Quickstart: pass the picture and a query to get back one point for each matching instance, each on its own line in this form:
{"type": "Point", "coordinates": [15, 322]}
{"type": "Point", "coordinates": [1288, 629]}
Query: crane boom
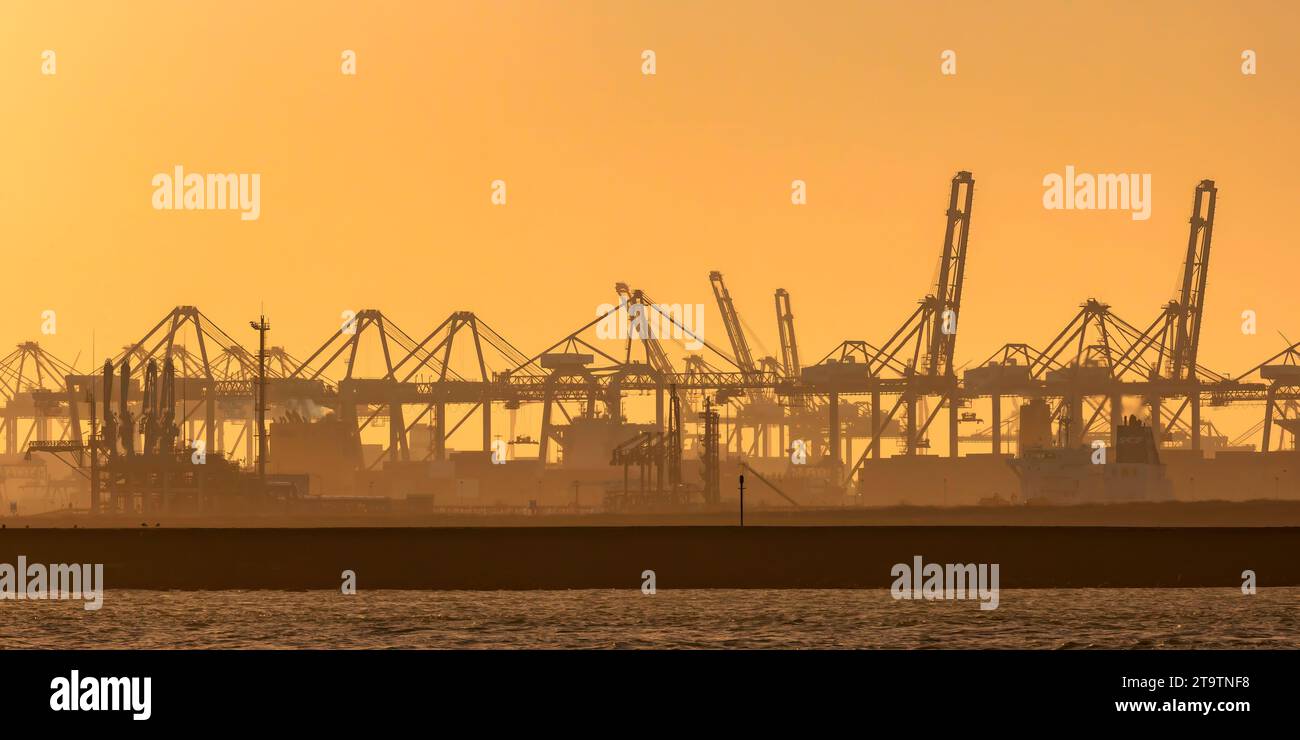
{"type": "Point", "coordinates": [785, 326]}
{"type": "Point", "coordinates": [1191, 298]}
{"type": "Point", "coordinates": [952, 269]}
{"type": "Point", "coordinates": [656, 357]}
{"type": "Point", "coordinates": [731, 321]}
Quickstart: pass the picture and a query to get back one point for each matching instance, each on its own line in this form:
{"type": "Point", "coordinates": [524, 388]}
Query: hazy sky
{"type": "Point", "coordinates": [375, 188]}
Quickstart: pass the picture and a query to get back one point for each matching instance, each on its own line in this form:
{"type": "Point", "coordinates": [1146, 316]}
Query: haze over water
{"type": "Point", "coordinates": [811, 619]}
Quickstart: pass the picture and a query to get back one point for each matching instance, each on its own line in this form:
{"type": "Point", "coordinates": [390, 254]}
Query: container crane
{"type": "Point", "coordinates": [761, 410]}
{"type": "Point", "coordinates": [1183, 317]}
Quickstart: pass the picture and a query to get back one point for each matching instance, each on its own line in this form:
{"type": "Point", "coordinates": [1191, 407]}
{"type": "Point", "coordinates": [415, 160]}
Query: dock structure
{"type": "Point", "coordinates": [187, 386]}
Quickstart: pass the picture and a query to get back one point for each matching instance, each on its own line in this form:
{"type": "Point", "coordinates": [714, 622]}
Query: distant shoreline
{"type": "Point", "coordinates": [523, 558]}
{"type": "Point", "coordinates": [1210, 513]}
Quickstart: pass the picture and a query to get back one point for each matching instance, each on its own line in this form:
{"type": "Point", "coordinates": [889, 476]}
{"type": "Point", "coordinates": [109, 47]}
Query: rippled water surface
{"type": "Point", "coordinates": [1050, 619]}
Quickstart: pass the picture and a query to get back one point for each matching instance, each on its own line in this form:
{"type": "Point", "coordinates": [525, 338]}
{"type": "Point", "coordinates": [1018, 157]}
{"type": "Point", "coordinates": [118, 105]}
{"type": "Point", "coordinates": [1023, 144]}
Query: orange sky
{"type": "Point", "coordinates": [375, 188]}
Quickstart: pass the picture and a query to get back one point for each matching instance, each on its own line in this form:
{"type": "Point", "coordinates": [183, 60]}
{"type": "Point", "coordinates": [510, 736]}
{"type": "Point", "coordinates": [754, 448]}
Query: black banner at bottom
{"type": "Point", "coordinates": [555, 688]}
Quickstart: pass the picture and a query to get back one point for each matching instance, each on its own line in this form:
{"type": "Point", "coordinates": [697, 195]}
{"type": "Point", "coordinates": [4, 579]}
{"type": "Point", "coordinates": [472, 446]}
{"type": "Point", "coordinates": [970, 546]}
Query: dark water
{"type": "Point", "coordinates": [1049, 619]}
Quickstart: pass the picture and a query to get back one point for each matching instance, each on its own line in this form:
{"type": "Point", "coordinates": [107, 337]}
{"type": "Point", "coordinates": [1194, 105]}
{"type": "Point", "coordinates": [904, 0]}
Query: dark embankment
{"type": "Point", "coordinates": [682, 557]}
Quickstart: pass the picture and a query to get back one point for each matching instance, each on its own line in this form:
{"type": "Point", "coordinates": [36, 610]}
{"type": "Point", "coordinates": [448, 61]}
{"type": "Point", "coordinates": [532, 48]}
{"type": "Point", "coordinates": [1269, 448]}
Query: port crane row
{"type": "Point", "coordinates": [859, 391]}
